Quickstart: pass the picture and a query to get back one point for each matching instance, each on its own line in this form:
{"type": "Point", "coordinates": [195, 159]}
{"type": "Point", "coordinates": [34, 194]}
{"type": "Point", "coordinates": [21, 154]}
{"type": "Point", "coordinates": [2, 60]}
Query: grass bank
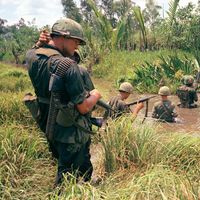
{"type": "Point", "coordinates": [134, 160]}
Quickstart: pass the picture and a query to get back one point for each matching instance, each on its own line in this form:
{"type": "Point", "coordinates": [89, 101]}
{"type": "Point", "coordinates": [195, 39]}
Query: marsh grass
{"type": "Point", "coordinates": [136, 161]}
{"type": "Point", "coordinates": [122, 63]}
{"type": "Point", "coordinates": [12, 109]}
{"type": "Point", "coordinates": [127, 144]}
{"type": "Point", "coordinates": [156, 183]}
{"type": "Point", "coordinates": [23, 155]}
{"type": "Point", "coordinates": [13, 79]}
{"type": "Point", "coordinates": [145, 69]}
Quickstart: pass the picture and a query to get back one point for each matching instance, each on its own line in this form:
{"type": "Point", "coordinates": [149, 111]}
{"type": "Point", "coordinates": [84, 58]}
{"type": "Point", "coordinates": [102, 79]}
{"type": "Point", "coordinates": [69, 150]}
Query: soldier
{"type": "Point", "coordinates": [164, 110]}
{"type": "Point", "coordinates": [197, 80]}
{"type": "Point", "coordinates": [71, 139]}
{"type": "Point", "coordinates": [118, 102]}
{"type": "Point", "coordinates": [187, 93]}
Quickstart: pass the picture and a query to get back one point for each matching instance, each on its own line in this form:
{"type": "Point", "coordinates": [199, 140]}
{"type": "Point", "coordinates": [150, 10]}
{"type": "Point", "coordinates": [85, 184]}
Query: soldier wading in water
{"type": "Point", "coordinates": [164, 110]}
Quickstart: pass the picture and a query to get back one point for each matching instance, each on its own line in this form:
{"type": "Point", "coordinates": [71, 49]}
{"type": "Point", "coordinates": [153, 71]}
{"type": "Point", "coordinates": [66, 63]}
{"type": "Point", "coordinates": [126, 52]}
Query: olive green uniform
{"type": "Point", "coordinates": [119, 107]}
{"type": "Point", "coordinates": [187, 96]}
{"type": "Point", "coordinates": [71, 145]}
{"type": "Point", "coordinates": [164, 111]}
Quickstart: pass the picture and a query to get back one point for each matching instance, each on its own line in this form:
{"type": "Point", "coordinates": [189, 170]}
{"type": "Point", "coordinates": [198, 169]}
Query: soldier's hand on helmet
{"type": "Point", "coordinates": [95, 93]}
{"type": "Point", "coordinates": [44, 37]}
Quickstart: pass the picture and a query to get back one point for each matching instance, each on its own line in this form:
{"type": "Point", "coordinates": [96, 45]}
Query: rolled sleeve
{"type": "Point", "coordinates": [74, 85]}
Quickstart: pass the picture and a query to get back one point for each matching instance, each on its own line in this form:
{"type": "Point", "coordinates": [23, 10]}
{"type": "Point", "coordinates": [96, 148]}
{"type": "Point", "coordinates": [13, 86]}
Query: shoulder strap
{"type": "Point", "coordinates": [166, 108]}
{"type": "Point", "coordinates": [47, 52]}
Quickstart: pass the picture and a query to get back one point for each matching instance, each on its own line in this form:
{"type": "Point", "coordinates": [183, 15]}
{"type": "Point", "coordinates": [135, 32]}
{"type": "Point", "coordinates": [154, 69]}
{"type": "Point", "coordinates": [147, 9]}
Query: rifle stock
{"type": "Point", "coordinates": [141, 100]}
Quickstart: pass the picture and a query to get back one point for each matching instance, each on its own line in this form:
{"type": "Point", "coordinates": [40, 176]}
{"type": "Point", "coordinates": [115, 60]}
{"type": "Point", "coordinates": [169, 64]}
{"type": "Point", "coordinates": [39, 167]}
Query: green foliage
{"type": "Point", "coordinates": [12, 109]}
{"type": "Point", "coordinates": [72, 190]}
{"type": "Point", "coordinates": [145, 70]}
{"type": "Point", "coordinates": [139, 162]}
{"type": "Point", "coordinates": [140, 19]}
{"type": "Point", "coordinates": [181, 154]}
{"type": "Point", "coordinates": [13, 80]}
{"type": "Point", "coordinates": [17, 39]}
{"type": "Point", "coordinates": [163, 165]}
{"type": "Point", "coordinates": [169, 69]}
{"type": "Point", "coordinates": [71, 10]}
{"type": "Point", "coordinates": [22, 152]}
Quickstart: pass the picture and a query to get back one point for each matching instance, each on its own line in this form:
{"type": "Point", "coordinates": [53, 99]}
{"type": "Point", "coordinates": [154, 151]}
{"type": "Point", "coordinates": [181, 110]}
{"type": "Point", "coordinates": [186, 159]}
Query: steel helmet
{"type": "Point", "coordinates": [188, 80]}
{"type": "Point", "coordinates": [68, 28]}
{"type": "Point", "coordinates": [126, 87]}
{"type": "Point", "coordinates": [164, 91]}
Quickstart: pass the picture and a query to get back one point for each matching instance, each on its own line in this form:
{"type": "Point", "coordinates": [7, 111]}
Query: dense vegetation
{"type": "Point", "coordinates": [117, 27]}
{"type": "Point", "coordinates": [110, 25]}
{"type": "Point", "coordinates": [135, 161]}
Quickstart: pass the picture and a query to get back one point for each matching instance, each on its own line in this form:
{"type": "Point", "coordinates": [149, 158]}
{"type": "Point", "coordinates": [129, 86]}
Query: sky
{"type": "Point", "coordinates": [46, 12]}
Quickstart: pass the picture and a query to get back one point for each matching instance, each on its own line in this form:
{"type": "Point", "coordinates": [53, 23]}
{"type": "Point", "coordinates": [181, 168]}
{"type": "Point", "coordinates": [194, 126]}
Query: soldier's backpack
{"type": "Point", "coordinates": [183, 96]}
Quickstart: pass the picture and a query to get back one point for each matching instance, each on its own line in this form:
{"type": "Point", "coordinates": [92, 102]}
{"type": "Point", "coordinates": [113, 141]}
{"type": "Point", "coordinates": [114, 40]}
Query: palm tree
{"type": "Point", "coordinates": [139, 17]}
{"type": "Point", "coordinates": [173, 5]}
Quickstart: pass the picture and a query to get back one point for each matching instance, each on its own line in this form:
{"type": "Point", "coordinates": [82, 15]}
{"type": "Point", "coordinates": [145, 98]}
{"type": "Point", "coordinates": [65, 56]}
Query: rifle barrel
{"type": "Point", "coordinates": [141, 100]}
{"type": "Point", "coordinates": [104, 105]}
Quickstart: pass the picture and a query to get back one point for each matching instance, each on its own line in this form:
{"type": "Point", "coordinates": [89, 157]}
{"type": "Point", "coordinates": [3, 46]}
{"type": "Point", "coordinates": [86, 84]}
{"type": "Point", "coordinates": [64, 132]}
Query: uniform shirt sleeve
{"type": "Point", "coordinates": [74, 85]}
{"type": "Point", "coordinates": [88, 84]}
{"type": "Point", "coordinates": [122, 106]}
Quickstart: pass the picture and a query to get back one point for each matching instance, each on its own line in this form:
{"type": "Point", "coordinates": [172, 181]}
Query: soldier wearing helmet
{"type": "Point", "coordinates": [164, 110]}
{"type": "Point", "coordinates": [187, 93]}
{"type": "Point", "coordinates": [70, 143]}
{"type": "Point", "coordinates": [197, 80]}
{"type": "Point", "coordinates": [118, 102]}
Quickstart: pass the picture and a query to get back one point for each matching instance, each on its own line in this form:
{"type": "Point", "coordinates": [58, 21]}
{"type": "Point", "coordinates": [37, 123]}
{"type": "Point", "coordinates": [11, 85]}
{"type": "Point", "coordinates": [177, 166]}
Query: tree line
{"type": "Point", "coordinates": [114, 25]}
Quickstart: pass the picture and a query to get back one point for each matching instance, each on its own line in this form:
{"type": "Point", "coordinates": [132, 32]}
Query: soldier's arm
{"type": "Point", "coordinates": [83, 100]}
{"type": "Point", "coordinates": [154, 115]}
{"type": "Point", "coordinates": [88, 104]}
{"type": "Point", "coordinates": [138, 107]}
{"type": "Point", "coordinates": [43, 39]}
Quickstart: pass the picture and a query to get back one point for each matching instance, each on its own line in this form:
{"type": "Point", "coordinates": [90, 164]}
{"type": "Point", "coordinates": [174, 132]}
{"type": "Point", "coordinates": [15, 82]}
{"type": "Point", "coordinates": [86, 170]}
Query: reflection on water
{"type": "Point", "coordinates": [188, 119]}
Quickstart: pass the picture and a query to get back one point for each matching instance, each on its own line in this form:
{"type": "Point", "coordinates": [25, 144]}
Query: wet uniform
{"type": "Point", "coordinates": [164, 111]}
{"type": "Point", "coordinates": [119, 106]}
{"type": "Point", "coordinates": [187, 96]}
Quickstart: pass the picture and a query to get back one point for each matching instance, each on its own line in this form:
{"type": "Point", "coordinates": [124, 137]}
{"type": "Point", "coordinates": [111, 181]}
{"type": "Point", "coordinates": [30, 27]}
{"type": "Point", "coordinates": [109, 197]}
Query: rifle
{"type": "Point", "coordinates": [104, 105]}
{"type": "Point", "coordinates": [145, 99]}
{"type": "Point", "coordinates": [141, 100]}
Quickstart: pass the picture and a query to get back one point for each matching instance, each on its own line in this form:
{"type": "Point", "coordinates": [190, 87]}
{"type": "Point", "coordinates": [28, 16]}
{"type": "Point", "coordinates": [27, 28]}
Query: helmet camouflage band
{"type": "Point", "coordinates": [126, 87]}
{"type": "Point", "coordinates": [68, 28]}
{"type": "Point", "coordinates": [164, 91]}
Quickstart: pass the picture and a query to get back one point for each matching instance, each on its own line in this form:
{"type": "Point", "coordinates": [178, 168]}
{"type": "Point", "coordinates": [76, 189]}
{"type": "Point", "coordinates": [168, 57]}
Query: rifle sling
{"type": "Point", "coordinates": [166, 109]}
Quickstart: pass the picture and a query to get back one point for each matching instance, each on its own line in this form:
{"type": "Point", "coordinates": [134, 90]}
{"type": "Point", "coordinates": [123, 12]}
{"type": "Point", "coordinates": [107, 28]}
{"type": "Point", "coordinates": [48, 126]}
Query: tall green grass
{"type": "Point", "coordinates": [137, 161]}
{"type": "Point", "coordinates": [12, 109]}
{"type": "Point", "coordinates": [13, 79]}
{"type": "Point", "coordinates": [145, 69]}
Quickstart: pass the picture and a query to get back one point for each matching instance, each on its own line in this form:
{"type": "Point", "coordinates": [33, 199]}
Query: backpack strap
{"type": "Point", "coordinates": [47, 52]}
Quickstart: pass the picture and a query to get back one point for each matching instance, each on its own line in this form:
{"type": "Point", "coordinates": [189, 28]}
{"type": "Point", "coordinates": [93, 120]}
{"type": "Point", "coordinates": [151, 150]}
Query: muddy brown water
{"type": "Point", "coordinates": [189, 119]}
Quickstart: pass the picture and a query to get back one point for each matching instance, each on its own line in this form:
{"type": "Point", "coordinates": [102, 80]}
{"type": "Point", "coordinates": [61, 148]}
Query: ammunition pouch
{"type": "Point", "coordinates": [67, 115]}
{"type": "Point", "coordinates": [31, 102]}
